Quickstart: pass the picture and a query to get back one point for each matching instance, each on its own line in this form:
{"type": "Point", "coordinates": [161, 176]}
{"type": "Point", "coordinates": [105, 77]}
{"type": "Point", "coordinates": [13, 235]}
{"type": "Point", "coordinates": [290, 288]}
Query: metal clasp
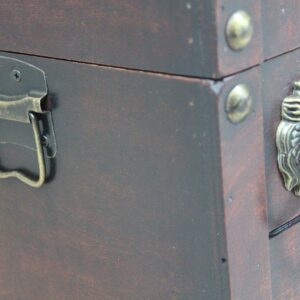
{"type": "Point", "coordinates": [288, 150]}
{"type": "Point", "coordinates": [23, 91]}
{"type": "Point", "coordinates": [288, 141]}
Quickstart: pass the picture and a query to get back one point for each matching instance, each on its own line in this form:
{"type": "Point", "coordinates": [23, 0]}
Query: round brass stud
{"type": "Point", "coordinates": [239, 103]}
{"type": "Point", "coordinates": [239, 30]}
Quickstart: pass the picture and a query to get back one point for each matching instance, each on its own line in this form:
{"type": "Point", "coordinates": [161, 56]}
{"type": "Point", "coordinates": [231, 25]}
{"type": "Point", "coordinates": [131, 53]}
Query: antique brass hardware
{"type": "Point", "coordinates": [23, 92]}
{"type": "Point", "coordinates": [239, 103]}
{"type": "Point", "coordinates": [288, 141]}
{"type": "Point", "coordinates": [288, 147]}
{"type": "Point", "coordinates": [239, 30]}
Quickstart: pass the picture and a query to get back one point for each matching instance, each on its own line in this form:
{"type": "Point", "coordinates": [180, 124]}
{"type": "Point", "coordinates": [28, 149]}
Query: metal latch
{"type": "Point", "coordinates": [288, 148]}
{"type": "Point", "coordinates": [23, 98]}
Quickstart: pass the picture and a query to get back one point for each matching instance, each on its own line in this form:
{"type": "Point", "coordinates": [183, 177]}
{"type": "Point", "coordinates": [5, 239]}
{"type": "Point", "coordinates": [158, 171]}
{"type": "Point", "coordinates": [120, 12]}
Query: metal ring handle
{"type": "Point", "coordinates": [40, 157]}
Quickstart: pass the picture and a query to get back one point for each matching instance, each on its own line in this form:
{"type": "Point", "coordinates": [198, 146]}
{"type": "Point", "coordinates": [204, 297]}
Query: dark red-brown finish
{"type": "Point", "coordinates": [170, 36]}
{"type": "Point", "coordinates": [150, 198]}
{"type": "Point", "coordinates": [153, 194]}
{"type": "Point", "coordinates": [228, 61]}
{"type": "Point", "coordinates": [128, 214]}
{"type": "Point", "coordinates": [245, 199]}
{"type": "Point", "coordinates": [279, 75]}
{"type": "Point", "coordinates": [281, 26]}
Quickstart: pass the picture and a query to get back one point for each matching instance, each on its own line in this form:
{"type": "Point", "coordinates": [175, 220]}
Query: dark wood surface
{"type": "Point", "coordinates": [279, 75]}
{"type": "Point", "coordinates": [148, 199]}
{"type": "Point", "coordinates": [131, 212]}
{"type": "Point", "coordinates": [154, 194]}
{"type": "Point", "coordinates": [228, 61]}
{"type": "Point", "coordinates": [244, 194]}
{"type": "Point", "coordinates": [281, 26]}
{"type": "Point", "coordinates": [170, 36]}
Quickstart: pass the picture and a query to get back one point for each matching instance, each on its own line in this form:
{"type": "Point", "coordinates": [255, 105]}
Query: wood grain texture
{"type": "Point", "coordinates": [135, 208]}
{"type": "Point", "coordinates": [281, 26]}
{"type": "Point", "coordinates": [139, 206]}
{"type": "Point", "coordinates": [283, 205]}
{"type": "Point", "coordinates": [170, 36]}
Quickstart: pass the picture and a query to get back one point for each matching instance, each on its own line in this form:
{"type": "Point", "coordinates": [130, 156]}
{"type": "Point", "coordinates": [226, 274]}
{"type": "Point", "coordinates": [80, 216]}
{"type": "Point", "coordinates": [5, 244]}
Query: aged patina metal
{"type": "Point", "coordinates": [239, 103]}
{"type": "Point", "coordinates": [239, 30]}
{"type": "Point", "coordinates": [23, 92]}
{"type": "Point", "coordinates": [288, 141]}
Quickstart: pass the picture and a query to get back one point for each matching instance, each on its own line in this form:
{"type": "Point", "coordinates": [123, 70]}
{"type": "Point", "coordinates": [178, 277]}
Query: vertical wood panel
{"type": "Point", "coordinates": [245, 198]}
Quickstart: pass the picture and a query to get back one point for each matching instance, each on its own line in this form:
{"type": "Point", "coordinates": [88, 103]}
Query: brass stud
{"type": "Point", "coordinates": [239, 30]}
{"type": "Point", "coordinates": [239, 103]}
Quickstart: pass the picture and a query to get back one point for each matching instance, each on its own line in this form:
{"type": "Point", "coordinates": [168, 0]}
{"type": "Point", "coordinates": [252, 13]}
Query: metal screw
{"type": "Point", "coordinates": [45, 140]}
{"type": "Point", "coordinates": [239, 103]}
{"type": "Point", "coordinates": [16, 75]}
{"type": "Point", "coordinates": [239, 30]}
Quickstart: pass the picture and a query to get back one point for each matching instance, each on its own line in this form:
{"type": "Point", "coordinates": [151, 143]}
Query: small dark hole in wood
{"type": "Point", "coordinates": [224, 260]}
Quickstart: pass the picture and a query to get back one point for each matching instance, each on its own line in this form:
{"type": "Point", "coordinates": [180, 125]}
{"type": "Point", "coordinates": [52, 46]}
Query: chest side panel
{"type": "Point", "coordinates": [128, 214]}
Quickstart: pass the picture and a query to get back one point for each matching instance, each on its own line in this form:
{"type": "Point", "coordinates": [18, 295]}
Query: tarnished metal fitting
{"type": "Point", "coordinates": [288, 141]}
{"type": "Point", "coordinates": [239, 30]}
{"type": "Point", "coordinates": [23, 93]}
{"type": "Point", "coordinates": [239, 103]}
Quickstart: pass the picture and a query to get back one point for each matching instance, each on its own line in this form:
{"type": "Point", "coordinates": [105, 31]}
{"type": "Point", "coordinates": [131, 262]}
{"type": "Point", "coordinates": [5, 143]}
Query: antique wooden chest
{"type": "Point", "coordinates": [138, 149]}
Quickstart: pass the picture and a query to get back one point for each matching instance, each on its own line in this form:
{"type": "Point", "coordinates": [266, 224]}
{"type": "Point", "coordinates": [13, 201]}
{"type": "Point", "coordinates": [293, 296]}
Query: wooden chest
{"type": "Point", "coordinates": [163, 185]}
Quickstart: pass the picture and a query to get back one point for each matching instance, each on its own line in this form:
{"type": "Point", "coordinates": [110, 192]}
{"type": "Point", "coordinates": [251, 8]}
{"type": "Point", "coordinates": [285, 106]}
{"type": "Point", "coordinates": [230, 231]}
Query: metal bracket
{"type": "Point", "coordinates": [23, 92]}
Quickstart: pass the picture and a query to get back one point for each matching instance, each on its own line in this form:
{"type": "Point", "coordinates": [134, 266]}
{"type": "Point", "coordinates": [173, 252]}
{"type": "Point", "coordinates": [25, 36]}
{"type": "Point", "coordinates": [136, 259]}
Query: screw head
{"type": "Point", "coordinates": [16, 75]}
{"type": "Point", "coordinates": [239, 30]}
{"type": "Point", "coordinates": [239, 104]}
{"type": "Point", "coordinates": [45, 140]}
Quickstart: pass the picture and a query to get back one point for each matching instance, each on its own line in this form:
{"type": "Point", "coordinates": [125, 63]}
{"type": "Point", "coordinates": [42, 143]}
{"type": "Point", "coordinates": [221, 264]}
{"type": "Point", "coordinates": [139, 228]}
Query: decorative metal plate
{"type": "Point", "coordinates": [288, 141]}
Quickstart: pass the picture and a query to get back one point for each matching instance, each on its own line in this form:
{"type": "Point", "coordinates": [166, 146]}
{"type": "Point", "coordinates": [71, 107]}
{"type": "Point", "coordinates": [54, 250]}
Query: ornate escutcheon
{"type": "Point", "coordinates": [288, 141]}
